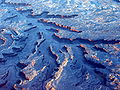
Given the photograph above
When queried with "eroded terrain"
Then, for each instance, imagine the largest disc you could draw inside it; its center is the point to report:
(59, 45)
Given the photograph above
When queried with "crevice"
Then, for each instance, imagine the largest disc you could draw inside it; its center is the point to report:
(94, 65)
(3, 84)
(56, 25)
(30, 28)
(85, 41)
(117, 1)
(45, 15)
(100, 49)
(3, 1)
(89, 62)
(2, 41)
(22, 65)
(22, 75)
(53, 30)
(102, 77)
(53, 55)
(17, 4)
(10, 18)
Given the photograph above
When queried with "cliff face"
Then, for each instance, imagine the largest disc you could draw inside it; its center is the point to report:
(59, 44)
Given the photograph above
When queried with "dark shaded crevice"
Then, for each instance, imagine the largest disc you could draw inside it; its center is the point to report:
(64, 49)
(117, 1)
(53, 55)
(100, 49)
(102, 77)
(45, 15)
(3, 1)
(10, 54)
(5, 76)
(40, 35)
(28, 11)
(63, 40)
(1, 29)
(53, 30)
(17, 4)
(12, 88)
(92, 64)
(102, 41)
(33, 50)
(32, 28)
(3, 84)
(22, 65)
(61, 16)
(2, 41)
(13, 32)
(10, 18)
(16, 49)
(58, 26)
(18, 81)
(42, 15)
(22, 75)
(55, 26)
(85, 41)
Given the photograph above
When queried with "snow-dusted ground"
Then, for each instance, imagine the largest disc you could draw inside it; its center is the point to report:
(59, 44)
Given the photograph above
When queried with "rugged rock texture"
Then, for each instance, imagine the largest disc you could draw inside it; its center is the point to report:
(59, 45)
